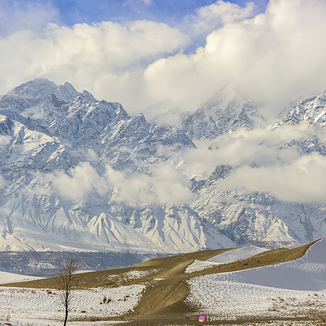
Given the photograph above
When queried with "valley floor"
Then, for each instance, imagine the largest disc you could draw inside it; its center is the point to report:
(286, 293)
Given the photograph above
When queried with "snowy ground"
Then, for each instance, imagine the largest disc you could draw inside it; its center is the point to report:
(226, 257)
(290, 289)
(11, 278)
(44, 307)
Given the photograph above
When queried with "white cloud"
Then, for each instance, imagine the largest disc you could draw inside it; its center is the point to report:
(82, 180)
(104, 58)
(259, 147)
(217, 15)
(272, 58)
(303, 180)
(164, 186)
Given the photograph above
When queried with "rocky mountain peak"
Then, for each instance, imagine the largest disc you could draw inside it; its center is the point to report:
(219, 116)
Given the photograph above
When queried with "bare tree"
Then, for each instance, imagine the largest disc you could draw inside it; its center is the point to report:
(66, 282)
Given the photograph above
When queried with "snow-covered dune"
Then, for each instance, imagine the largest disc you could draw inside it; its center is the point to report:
(11, 278)
(226, 257)
(307, 273)
(289, 286)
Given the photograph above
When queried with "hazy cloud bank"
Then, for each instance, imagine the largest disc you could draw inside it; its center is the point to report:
(258, 147)
(301, 181)
(261, 161)
(165, 185)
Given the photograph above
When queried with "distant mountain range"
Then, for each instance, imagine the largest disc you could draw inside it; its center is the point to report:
(81, 174)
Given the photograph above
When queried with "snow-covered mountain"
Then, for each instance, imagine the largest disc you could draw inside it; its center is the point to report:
(64, 155)
(255, 216)
(81, 174)
(219, 116)
(312, 110)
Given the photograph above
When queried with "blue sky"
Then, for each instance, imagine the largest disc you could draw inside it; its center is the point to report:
(71, 12)
(167, 11)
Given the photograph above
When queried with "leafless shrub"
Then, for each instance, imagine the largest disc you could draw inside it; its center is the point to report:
(66, 282)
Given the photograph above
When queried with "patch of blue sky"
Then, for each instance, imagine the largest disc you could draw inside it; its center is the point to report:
(171, 12)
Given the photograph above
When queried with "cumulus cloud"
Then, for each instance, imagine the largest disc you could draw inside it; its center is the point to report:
(104, 58)
(272, 57)
(262, 162)
(214, 16)
(303, 180)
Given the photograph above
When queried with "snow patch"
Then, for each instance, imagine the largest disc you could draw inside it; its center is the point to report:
(225, 258)
(11, 278)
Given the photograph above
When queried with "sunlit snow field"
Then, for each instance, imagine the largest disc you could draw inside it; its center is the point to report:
(10, 278)
(43, 307)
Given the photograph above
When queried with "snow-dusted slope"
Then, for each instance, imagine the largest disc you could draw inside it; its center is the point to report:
(306, 273)
(225, 258)
(312, 110)
(39, 307)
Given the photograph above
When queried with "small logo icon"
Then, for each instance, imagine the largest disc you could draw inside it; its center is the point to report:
(201, 318)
